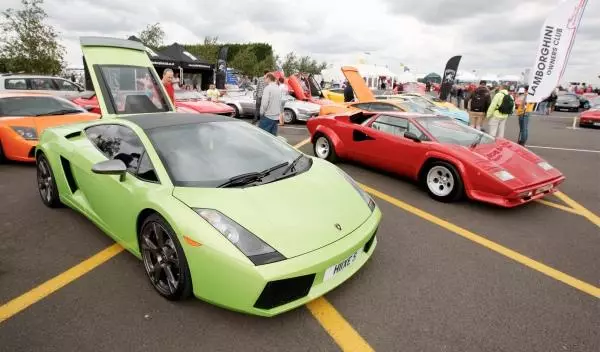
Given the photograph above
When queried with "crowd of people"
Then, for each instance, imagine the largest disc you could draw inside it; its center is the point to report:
(495, 106)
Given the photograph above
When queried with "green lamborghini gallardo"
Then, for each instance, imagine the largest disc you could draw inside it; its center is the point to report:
(213, 206)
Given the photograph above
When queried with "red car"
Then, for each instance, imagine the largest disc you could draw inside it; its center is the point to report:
(447, 157)
(591, 117)
(185, 101)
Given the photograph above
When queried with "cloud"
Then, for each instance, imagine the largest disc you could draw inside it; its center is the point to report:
(492, 36)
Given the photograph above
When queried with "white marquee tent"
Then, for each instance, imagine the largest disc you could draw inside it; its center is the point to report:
(372, 73)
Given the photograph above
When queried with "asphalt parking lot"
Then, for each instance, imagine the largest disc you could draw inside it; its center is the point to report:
(444, 277)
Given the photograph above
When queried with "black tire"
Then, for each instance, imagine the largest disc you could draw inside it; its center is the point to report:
(323, 148)
(292, 115)
(2, 157)
(236, 111)
(46, 182)
(446, 190)
(168, 255)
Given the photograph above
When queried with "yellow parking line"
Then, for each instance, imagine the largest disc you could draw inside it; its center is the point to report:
(298, 145)
(332, 321)
(558, 206)
(507, 252)
(337, 327)
(579, 208)
(20, 303)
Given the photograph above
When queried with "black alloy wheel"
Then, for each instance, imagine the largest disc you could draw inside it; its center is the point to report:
(164, 260)
(46, 183)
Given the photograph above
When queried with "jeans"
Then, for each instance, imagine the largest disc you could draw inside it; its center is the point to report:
(523, 128)
(543, 107)
(268, 125)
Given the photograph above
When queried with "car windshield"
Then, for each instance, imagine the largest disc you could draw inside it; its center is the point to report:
(188, 94)
(209, 154)
(133, 89)
(413, 107)
(36, 106)
(422, 102)
(449, 131)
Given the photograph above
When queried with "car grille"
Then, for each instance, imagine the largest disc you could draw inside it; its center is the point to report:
(280, 292)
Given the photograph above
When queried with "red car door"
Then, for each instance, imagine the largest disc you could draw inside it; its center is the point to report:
(386, 146)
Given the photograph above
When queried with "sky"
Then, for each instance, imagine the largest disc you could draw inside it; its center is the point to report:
(497, 36)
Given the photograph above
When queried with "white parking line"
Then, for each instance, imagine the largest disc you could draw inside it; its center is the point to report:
(567, 149)
(294, 127)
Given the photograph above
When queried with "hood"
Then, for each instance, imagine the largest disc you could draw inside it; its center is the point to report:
(361, 90)
(40, 123)
(303, 105)
(204, 106)
(517, 160)
(294, 216)
(591, 114)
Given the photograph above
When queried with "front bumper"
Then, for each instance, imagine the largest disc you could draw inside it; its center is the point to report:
(521, 195)
(586, 121)
(305, 116)
(20, 150)
(243, 287)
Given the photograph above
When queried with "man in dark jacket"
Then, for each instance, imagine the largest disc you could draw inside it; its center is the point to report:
(348, 93)
(479, 103)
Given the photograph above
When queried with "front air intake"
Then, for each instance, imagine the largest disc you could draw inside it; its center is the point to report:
(280, 292)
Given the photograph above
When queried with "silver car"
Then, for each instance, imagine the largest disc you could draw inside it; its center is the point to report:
(40, 84)
(244, 104)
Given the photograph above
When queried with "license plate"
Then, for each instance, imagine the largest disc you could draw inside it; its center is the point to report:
(596, 123)
(336, 269)
(543, 189)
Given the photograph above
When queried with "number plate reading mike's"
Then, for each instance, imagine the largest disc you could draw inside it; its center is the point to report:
(335, 269)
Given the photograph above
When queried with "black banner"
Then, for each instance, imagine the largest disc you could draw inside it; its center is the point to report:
(449, 76)
(221, 68)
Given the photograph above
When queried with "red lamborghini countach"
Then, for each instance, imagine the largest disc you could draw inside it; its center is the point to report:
(449, 158)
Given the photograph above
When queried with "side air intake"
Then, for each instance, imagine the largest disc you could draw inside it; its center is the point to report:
(66, 165)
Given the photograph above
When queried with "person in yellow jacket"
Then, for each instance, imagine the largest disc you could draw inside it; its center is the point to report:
(498, 112)
(524, 110)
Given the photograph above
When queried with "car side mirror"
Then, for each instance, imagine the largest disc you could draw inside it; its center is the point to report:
(283, 139)
(111, 167)
(412, 137)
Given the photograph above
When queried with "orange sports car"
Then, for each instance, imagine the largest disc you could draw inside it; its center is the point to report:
(23, 117)
(366, 99)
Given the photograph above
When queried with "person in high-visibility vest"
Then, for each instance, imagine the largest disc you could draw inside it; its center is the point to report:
(524, 110)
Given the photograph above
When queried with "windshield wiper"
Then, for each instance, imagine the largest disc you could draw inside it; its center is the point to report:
(60, 112)
(251, 177)
(477, 141)
(293, 164)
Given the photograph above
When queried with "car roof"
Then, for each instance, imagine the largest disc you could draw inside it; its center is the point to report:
(22, 93)
(25, 75)
(167, 119)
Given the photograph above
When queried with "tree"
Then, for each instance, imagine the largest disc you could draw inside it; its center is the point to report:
(153, 35)
(292, 64)
(27, 43)
(245, 62)
(208, 40)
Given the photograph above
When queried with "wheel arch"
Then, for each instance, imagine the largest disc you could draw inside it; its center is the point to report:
(335, 139)
(433, 157)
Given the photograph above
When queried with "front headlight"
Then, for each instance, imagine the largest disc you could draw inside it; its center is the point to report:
(27, 133)
(544, 165)
(253, 247)
(504, 175)
(364, 195)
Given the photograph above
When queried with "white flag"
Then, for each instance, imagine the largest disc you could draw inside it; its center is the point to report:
(555, 44)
